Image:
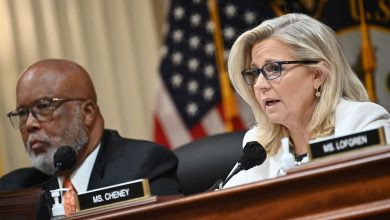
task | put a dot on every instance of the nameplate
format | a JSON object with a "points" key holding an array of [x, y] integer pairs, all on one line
{"points": [[113, 194], [335, 145]]}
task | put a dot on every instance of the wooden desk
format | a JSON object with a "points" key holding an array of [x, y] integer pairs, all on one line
{"points": [[353, 186], [19, 204]]}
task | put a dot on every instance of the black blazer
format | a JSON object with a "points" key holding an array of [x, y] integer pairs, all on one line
{"points": [[121, 160], [22, 178]]}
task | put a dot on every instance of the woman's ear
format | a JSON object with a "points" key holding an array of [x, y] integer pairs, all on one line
{"points": [[89, 110], [319, 78]]}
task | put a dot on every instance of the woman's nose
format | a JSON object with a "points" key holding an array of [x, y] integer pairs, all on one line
{"points": [[262, 83]]}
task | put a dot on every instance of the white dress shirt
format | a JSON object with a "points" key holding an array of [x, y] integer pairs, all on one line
{"points": [[350, 117], [80, 177]]}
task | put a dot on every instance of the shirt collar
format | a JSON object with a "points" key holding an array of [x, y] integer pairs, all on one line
{"points": [[80, 177]]}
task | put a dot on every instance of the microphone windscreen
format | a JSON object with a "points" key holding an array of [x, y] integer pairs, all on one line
{"points": [[253, 155], [64, 158]]}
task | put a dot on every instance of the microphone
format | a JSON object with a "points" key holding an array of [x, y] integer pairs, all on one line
{"points": [[253, 155], [64, 159]]}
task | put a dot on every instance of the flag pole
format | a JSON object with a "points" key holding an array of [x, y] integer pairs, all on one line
{"points": [[228, 99], [368, 56]]}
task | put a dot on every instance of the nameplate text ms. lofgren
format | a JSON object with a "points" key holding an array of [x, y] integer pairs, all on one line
{"points": [[335, 145]]}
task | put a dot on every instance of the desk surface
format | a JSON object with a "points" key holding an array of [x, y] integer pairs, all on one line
{"points": [[349, 186]]}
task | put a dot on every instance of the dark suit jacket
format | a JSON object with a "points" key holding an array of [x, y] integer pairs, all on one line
{"points": [[121, 160], [27, 177]]}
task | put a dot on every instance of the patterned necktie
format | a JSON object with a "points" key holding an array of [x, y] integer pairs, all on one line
{"points": [[70, 197]]}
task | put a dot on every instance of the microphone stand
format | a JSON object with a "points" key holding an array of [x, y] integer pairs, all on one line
{"points": [[235, 171]]}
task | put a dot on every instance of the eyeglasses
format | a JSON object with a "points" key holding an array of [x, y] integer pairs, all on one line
{"points": [[270, 70], [42, 110]]}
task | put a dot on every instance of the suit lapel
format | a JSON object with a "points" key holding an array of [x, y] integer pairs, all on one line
{"points": [[101, 174], [98, 169]]}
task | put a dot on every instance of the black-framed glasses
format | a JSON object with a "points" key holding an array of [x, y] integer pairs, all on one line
{"points": [[270, 71], [42, 110]]}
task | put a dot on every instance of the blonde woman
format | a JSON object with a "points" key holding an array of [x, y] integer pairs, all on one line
{"points": [[294, 75]]}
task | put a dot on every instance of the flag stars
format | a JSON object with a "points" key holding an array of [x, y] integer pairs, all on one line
{"points": [[193, 64], [208, 93], [209, 71], [192, 109], [195, 20], [228, 32], [230, 10], [177, 58], [193, 87], [194, 42], [249, 17], [209, 26], [177, 36], [176, 80], [178, 13], [209, 48]]}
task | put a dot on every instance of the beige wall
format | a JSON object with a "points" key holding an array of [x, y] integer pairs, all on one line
{"points": [[117, 41]]}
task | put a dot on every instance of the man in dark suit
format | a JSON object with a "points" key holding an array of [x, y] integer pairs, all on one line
{"points": [[57, 106]]}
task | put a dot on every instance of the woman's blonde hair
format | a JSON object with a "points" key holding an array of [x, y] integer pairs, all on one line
{"points": [[308, 39]]}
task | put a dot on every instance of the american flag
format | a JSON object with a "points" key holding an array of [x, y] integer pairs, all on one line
{"points": [[188, 103]]}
